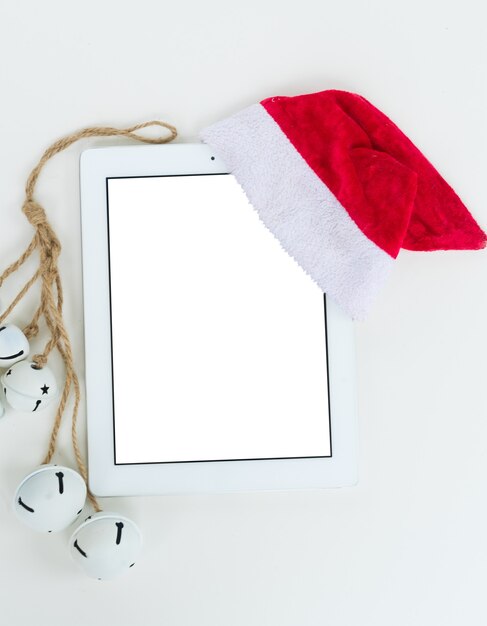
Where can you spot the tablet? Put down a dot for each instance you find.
(213, 362)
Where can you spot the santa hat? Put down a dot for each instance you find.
(342, 189)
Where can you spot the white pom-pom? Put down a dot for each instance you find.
(50, 498)
(105, 545)
(28, 387)
(13, 345)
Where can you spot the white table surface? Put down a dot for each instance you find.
(408, 545)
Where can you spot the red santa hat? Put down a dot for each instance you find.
(342, 189)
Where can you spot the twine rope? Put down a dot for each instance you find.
(50, 307)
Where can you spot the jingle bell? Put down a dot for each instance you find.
(28, 387)
(105, 545)
(13, 345)
(50, 498)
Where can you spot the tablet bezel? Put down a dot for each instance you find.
(108, 479)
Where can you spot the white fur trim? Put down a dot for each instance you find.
(298, 208)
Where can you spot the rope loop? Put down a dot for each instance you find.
(131, 132)
(39, 360)
(31, 330)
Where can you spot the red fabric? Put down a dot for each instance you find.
(394, 195)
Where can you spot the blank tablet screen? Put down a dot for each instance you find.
(218, 336)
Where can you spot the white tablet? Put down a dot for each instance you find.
(213, 362)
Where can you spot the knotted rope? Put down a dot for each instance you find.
(50, 307)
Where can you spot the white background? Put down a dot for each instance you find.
(233, 365)
(408, 545)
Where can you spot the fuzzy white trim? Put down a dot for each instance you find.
(298, 208)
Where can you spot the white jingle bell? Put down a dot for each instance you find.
(50, 498)
(28, 387)
(13, 345)
(105, 545)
